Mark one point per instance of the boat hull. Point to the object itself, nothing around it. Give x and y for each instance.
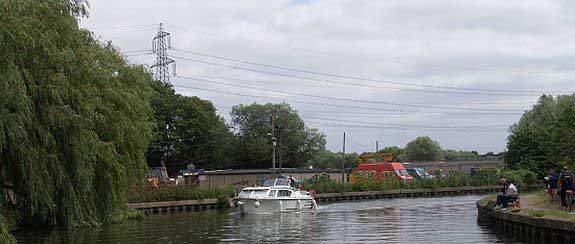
(265, 206)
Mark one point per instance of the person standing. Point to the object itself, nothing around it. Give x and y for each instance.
(291, 181)
(552, 184)
(566, 182)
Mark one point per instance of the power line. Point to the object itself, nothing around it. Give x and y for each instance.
(319, 103)
(432, 115)
(351, 99)
(395, 125)
(351, 84)
(138, 51)
(339, 82)
(405, 125)
(340, 125)
(138, 54)
(365, 79)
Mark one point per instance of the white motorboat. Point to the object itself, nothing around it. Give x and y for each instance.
(275, 196)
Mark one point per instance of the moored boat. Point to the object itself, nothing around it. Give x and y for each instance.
(275, 196)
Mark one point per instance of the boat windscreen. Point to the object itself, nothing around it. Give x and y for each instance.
(269, 182)
(245, 193)
(276, 182)
(260, 193)
(282, 182)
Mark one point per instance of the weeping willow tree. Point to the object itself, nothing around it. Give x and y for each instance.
(75, 118)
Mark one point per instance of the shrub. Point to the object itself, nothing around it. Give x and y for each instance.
(175, 193)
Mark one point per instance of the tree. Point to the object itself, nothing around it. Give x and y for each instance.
(75, 117)
(191, 129)
(534, 142)
(423, 149)
(395, 150)
(333, 160)
(296, 143)
(566, 128)
(455, 155)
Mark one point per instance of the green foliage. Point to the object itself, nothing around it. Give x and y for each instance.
(74, 116)
(398, 152)
(536, 213)
(128, 214)
(366, 181)
(520, 178)
(5, 228)
(365, 176)
(325, 159)
(223, 201)
(544, 137)
(423, 149)
(176, 193)
(296, 143)
(454, 155)
(191, 127)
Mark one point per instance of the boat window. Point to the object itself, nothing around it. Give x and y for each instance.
(284, 193)
(245, 193)
(260, 193)
(272, 193)
(282, 182)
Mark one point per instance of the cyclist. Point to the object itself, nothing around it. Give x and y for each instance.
(566, 181)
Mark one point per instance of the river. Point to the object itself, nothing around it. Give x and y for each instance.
(405, 220)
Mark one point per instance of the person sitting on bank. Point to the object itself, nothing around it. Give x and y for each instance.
(510, 195)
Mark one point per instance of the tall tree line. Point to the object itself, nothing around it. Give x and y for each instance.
(544, 137)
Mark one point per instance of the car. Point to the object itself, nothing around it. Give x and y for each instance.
(420, 173)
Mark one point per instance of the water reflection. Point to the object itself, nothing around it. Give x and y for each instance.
(417, 220)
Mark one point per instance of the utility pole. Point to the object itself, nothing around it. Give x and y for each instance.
(160, 45)
(281, 147)
(273, 146)
(376, 146)
(343, 161)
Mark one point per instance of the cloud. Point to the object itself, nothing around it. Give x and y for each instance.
(485, 44)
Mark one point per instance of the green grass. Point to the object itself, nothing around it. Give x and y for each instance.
(486, 200)
(551, 214)
(536, 213)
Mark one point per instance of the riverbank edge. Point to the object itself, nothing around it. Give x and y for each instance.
(207, 204)
(525, 226)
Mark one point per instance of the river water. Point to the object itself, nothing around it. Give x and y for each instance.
(405, 220)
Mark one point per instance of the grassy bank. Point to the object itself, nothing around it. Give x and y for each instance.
(538, 205)
(442, 179)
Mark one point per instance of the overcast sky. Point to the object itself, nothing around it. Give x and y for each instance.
(460, 72)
